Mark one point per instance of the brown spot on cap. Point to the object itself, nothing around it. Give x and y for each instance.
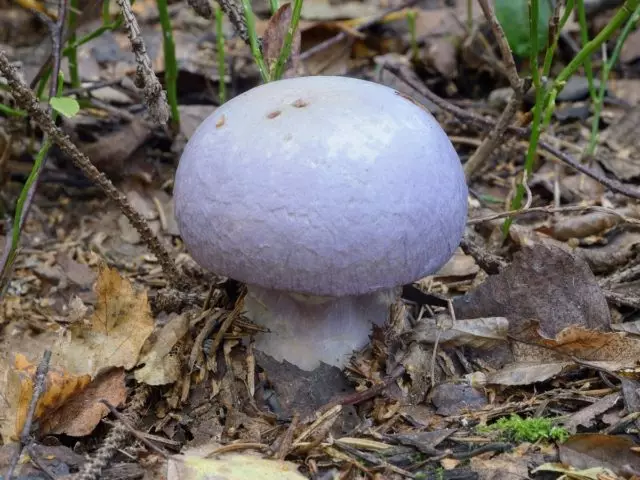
(300, 103)
(220, 122)
(274, 114)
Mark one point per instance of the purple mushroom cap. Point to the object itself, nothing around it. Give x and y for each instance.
(327, 186)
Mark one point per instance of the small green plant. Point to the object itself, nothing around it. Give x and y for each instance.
(518, 429)
(411, 22)
(546, 91)
(170, 62)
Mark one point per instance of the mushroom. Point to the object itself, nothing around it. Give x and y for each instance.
(324, 195)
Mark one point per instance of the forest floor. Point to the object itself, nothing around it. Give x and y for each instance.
(518, 359)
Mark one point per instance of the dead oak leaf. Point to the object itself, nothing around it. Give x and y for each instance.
(82, 413)
(115, 333)
(593, 345)
(17, 386)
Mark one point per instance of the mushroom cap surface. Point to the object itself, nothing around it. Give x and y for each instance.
(322, 185)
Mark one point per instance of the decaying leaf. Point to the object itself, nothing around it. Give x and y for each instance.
(593, 450)
(543, 283)
(477, 333)
(115, 332)
(82, 413)
(595, 473)
(17, 387)
(230, 467)
(159, 367)
(274, 38)
(526, 373)
(587, 415)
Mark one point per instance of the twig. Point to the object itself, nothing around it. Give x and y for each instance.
(373, 459)
(462, 114)
(38, 390)
(154, 95)
(27, 100)
(230, 8)
(489, 262)
(92, 470)
(287, 440)
(572, 208)
(518, 85)
(515, 81)
(122, 419)
(621, 299)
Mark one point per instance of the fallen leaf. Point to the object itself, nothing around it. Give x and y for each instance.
(115, 332)
(544, 283)
(159, 367)
(477, 332)
(594, 450)
(17, 384)
(456, 398)
(586, 416)
(506, 466)
(230, 467)
(526, 373)
(82, 413)
(596, 473)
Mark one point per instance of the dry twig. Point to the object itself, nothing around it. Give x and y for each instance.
(462, 114)
(38, 390)
(92, 470)
(25, 98)
(154, 95)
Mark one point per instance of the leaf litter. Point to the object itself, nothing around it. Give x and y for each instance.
(550, 332)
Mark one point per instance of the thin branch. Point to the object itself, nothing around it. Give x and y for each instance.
(27, 100)
(515, 81)
(122, 419)
(38, 390)
(154, 95)
(467, 115)
(519, 86)
(550, 210)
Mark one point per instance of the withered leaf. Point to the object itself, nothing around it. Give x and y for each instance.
(274, 38)
(544, 283)
(82, 413)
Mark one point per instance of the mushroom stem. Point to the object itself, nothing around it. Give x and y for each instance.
(306, 330)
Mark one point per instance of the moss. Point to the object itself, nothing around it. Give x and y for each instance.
(518, 429)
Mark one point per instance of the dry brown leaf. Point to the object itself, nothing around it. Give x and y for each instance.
(274, 37)
(506, 466)
(115, 333)
(477, 333)
(16, 390)
(586, 416)
(82, 413)
(161, 368)
(592, 345)
(590, 450)
(459, 265)
(526, 373)
(545, 283)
